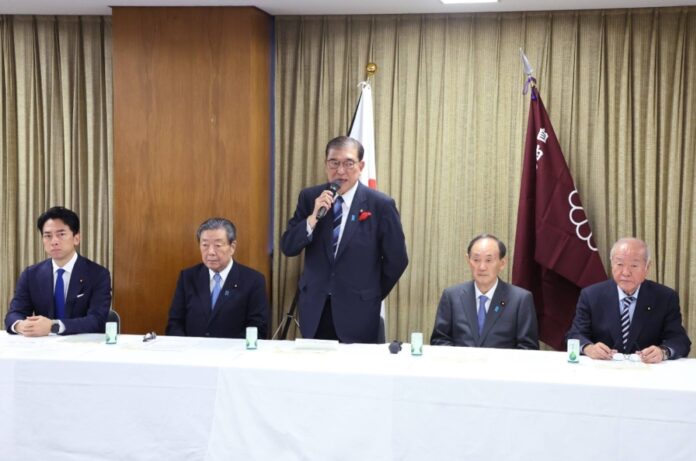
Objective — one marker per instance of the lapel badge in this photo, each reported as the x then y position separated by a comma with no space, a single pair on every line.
502,303
497,308
649,308
227,292
352,217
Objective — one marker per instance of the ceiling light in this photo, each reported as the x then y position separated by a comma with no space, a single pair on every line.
450,2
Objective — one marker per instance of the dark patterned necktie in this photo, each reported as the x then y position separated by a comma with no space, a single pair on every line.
625,319
338,214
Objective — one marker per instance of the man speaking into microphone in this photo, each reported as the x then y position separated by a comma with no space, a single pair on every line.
355,250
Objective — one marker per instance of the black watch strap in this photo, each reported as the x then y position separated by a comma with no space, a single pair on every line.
666,352
55,328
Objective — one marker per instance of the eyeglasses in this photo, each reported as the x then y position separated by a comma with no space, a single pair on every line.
336,164
619,357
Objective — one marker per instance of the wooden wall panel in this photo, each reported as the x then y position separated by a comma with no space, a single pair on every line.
192,140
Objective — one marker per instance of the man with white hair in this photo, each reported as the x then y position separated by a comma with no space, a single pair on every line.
629,314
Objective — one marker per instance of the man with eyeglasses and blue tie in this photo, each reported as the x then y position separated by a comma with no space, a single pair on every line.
218,298
486,311
65,294
354,250
629,314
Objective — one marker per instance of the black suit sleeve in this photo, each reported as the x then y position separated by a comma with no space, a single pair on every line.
673,333
21,306
527,330
442,331
257,307
176,325
392,247
581,327
99,293
295,237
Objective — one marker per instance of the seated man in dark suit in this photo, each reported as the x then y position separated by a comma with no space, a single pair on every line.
65,294
630,314
486,312
220,297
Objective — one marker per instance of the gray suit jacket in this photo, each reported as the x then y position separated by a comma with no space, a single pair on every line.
511,321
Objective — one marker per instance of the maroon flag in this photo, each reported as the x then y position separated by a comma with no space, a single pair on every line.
555,254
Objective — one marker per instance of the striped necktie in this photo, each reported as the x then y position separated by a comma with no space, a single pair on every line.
338,214
625,319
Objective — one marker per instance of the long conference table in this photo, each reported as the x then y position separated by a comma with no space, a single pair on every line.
77,398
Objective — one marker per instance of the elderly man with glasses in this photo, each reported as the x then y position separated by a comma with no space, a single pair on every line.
354,250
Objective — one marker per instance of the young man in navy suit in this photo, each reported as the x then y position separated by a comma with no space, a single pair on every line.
65,294
354,255
628,313
486,312
218,298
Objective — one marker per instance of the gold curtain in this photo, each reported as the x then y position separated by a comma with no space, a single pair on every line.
56,135
450,119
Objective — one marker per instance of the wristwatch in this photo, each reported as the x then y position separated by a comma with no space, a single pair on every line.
666,354
55,327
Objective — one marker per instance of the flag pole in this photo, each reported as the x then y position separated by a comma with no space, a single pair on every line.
555,255
362,129
530,81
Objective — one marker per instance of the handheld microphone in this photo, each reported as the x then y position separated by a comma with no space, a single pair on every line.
333,187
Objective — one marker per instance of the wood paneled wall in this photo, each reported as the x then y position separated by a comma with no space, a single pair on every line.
192,140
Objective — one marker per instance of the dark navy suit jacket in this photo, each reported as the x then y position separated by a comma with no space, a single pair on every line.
510,323
242,303
370,259
87,303
656,320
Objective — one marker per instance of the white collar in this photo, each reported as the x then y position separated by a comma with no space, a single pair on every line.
350,194
223,273
68,267
489,294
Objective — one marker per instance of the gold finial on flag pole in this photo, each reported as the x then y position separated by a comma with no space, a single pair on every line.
370,68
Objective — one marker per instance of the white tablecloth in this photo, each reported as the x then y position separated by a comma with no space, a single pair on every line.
75,398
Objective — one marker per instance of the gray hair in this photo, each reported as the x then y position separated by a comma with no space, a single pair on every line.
343,142
630,241
218,223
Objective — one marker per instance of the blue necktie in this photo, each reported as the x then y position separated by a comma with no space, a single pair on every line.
216,289
59,296
482,312
625,320
338,214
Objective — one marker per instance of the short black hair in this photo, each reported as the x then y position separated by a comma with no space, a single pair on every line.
69,217
218,223
341,142
502,250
